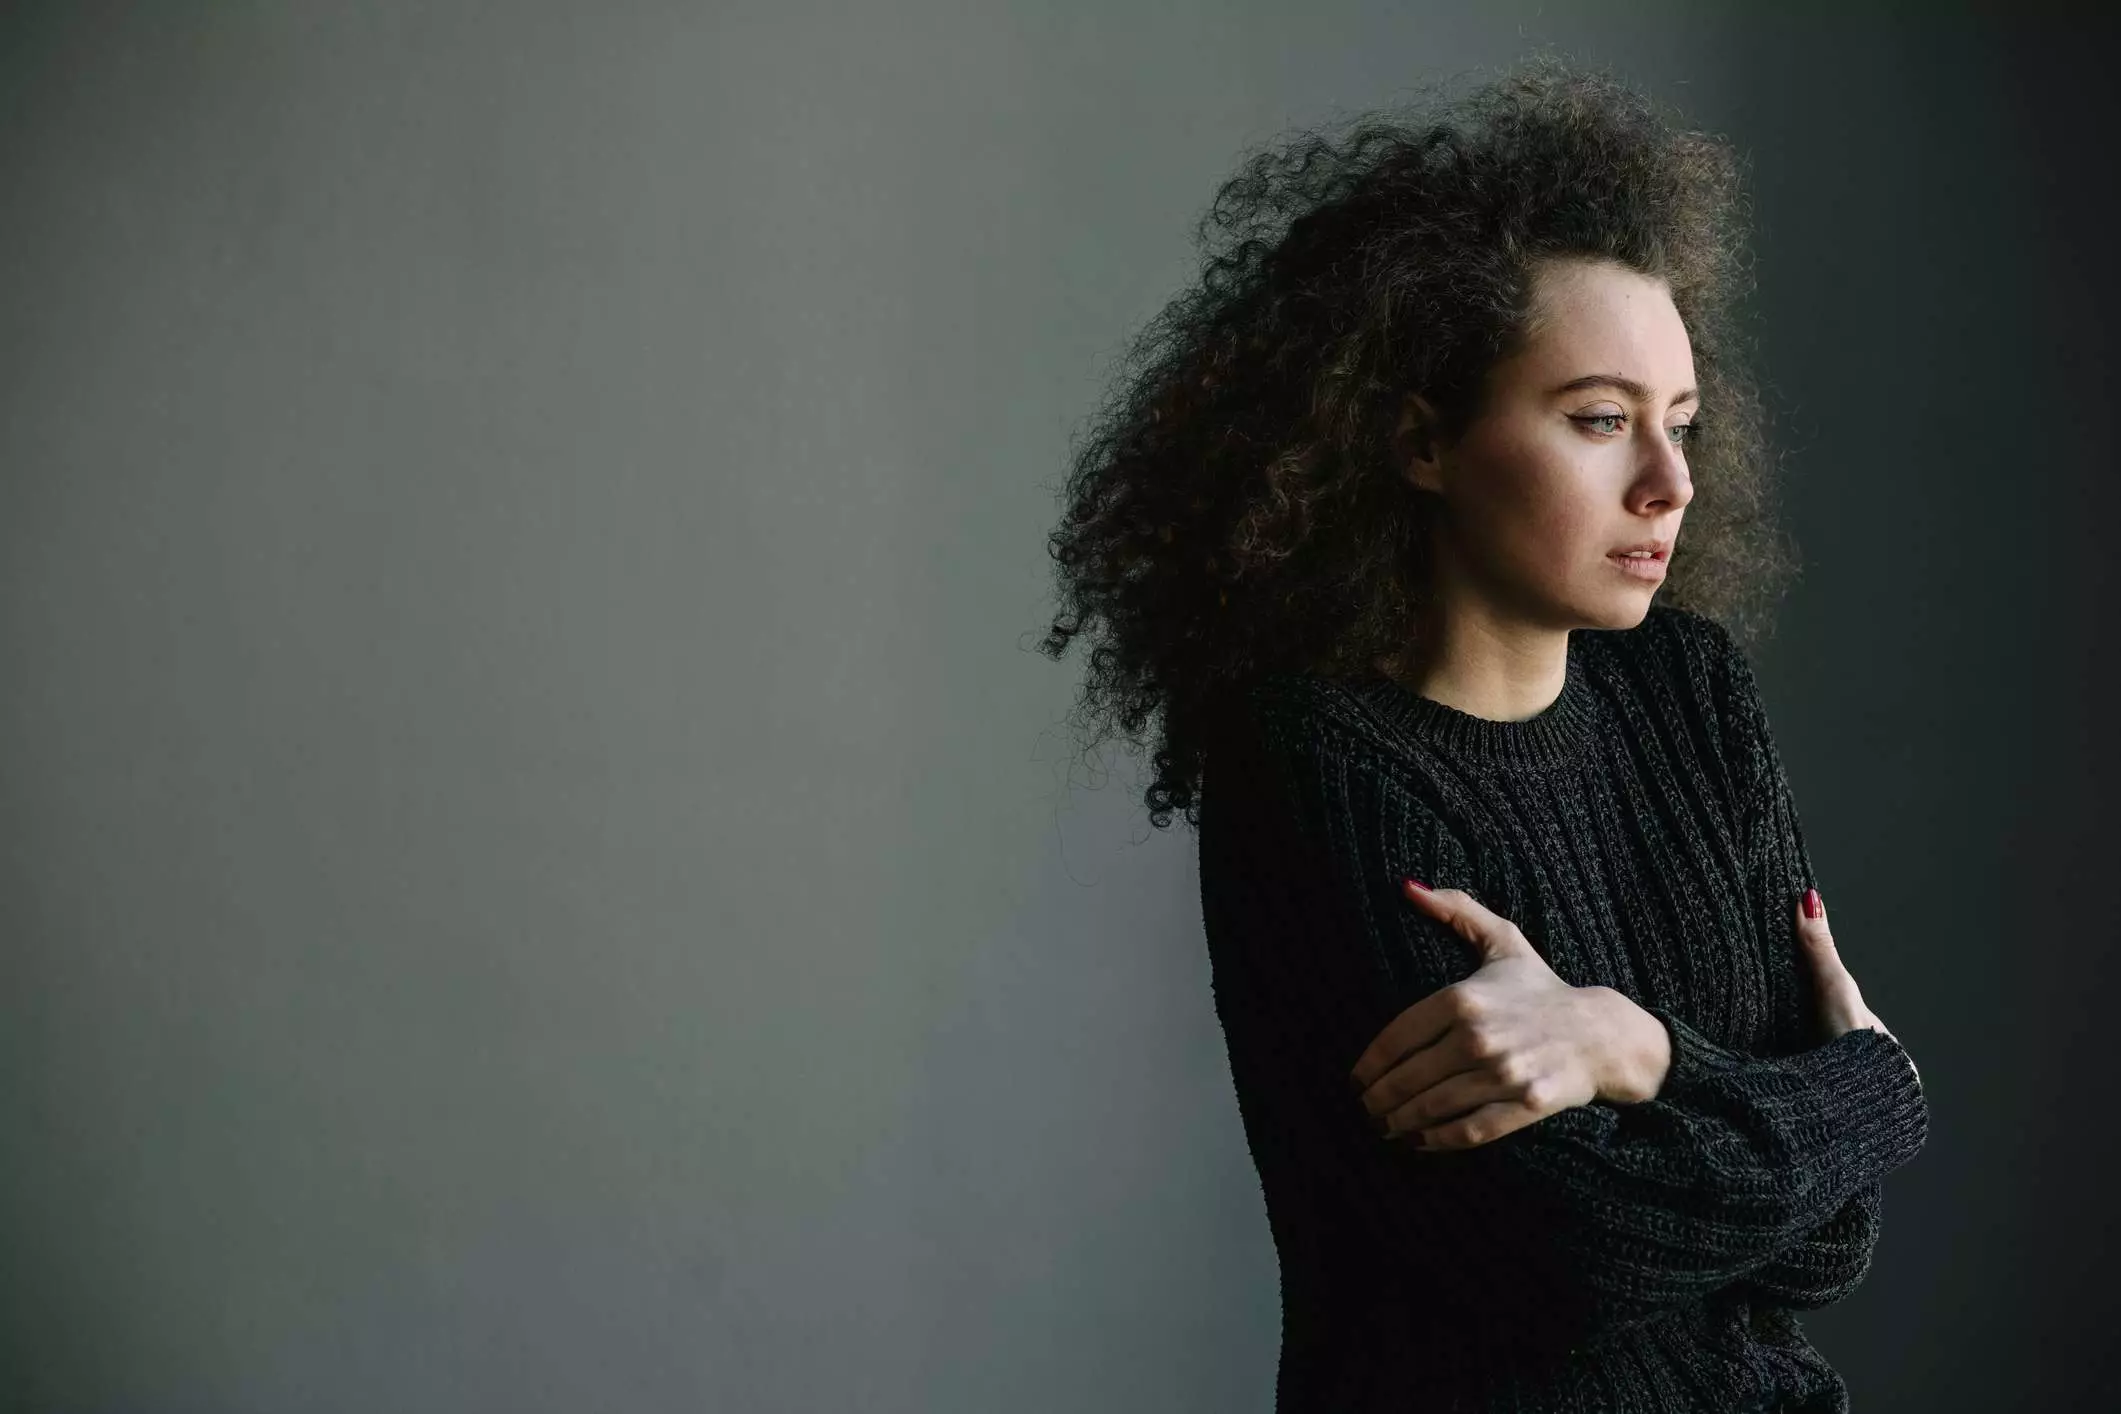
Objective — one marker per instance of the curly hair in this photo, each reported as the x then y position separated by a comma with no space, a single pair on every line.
1232,509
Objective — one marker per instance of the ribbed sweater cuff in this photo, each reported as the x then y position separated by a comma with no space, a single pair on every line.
1860,1088
1695,1056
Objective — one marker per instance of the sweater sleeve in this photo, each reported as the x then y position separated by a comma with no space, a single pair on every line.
1595,1218
1830,1261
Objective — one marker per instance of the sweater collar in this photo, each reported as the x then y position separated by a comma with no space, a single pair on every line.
1551,736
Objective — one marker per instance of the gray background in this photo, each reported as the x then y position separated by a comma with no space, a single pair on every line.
541,871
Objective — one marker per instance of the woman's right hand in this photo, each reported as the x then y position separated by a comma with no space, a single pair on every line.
1841,1008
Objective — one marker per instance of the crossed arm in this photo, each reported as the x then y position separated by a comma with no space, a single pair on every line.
1743,1170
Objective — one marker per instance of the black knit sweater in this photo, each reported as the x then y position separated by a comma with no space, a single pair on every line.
1640,832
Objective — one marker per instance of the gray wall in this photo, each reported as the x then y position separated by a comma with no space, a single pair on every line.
541,872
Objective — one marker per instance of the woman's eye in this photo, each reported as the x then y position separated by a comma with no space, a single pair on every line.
1686,430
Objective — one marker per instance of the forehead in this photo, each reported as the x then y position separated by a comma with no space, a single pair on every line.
1594,317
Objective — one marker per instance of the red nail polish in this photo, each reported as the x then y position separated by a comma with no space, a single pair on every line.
1813,908
1420,885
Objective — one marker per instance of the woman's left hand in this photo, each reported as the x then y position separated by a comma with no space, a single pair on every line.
1502,1049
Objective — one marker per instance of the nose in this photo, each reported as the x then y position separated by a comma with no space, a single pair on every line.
1665,476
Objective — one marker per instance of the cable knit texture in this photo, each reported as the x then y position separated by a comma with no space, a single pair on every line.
1610,1257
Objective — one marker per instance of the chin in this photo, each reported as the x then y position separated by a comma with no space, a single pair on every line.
1621,611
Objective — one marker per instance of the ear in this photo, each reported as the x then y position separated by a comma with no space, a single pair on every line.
1414,444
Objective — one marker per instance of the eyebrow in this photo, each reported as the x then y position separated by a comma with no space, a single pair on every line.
1625,384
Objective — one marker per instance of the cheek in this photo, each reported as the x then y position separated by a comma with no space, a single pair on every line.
1538,510
1572,528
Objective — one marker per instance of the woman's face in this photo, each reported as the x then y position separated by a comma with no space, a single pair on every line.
1579,453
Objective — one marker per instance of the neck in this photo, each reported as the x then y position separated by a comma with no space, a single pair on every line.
1500,669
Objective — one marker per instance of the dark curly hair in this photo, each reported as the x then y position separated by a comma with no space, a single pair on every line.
1234,510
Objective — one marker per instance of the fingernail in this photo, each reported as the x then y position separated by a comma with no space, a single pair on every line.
1814,907
1416,883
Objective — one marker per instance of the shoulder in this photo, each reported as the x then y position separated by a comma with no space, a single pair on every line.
1288,725
1296,712
1335,727
1313,757
1321,748
1685,672
1670,640
1678,654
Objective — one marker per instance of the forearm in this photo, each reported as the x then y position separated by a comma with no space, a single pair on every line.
1604,1215
1826,1264
1822,1265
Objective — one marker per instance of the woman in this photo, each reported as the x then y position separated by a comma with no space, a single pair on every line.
1558,1091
